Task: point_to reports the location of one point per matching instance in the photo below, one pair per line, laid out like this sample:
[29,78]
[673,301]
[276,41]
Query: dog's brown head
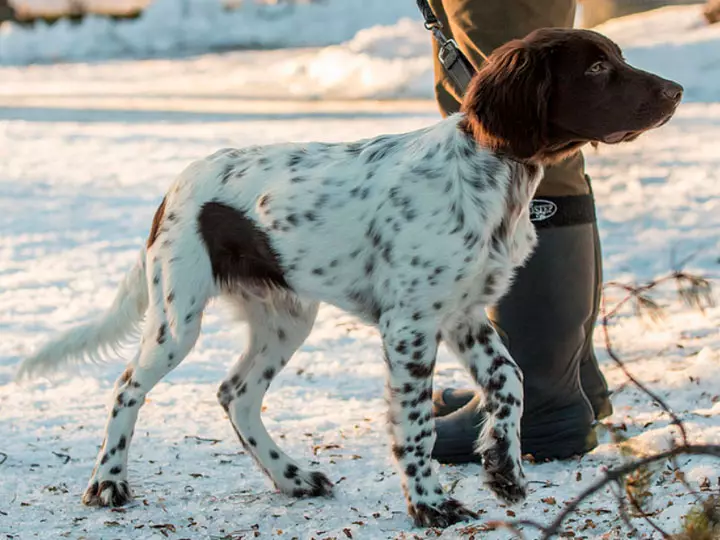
[543,97]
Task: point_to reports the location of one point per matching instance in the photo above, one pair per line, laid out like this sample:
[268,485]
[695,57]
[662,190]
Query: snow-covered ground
[381,62]
[82,169]
[190,26]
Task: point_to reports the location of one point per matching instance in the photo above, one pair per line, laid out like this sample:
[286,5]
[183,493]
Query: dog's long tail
[90,342]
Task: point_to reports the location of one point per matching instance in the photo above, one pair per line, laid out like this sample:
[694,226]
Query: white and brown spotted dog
[414,233]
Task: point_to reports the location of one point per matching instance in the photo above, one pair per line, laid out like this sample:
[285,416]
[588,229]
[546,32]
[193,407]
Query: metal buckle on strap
[456,65]
[448,53]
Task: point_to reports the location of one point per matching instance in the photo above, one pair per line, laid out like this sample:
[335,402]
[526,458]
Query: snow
[86,152]
[190,26]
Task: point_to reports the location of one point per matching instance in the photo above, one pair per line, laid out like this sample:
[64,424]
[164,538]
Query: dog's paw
[444,514]
[504,474]
[300,483]
[107,493]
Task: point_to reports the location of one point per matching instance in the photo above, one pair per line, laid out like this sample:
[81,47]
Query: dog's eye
[597,67]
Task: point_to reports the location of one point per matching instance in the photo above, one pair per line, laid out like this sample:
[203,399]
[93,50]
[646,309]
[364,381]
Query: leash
[455,63]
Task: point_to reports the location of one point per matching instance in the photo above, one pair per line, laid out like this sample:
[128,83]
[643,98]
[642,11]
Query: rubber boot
[546,320]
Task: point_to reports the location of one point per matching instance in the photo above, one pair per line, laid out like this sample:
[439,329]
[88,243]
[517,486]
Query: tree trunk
[712,11]
[6,11]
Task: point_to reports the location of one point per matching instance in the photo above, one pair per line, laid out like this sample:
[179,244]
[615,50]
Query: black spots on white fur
[296,158]
[318,271]
[366,303]
[470,240]
[496,383]
[373,234]
[483,335]
[264,201]
[252,441]
[122,443]
[298,179]
[224,394]
[402,202]
[162,334]
[460,221]
[291,471]
[387,252]
[274,454]
[117,469]
[361,193]
[489,287]
[321,201]
[104,459]
[398,451]
[420,370]
[269,373]
[425,171]
[170,297]
[354,148]
[370,265]
[227,174]
[379,148]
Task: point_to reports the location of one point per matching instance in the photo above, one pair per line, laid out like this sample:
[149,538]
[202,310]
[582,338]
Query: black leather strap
[427,13]
[562,211]
[455,63]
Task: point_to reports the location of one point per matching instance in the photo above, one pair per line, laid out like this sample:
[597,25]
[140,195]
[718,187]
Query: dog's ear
[506,103]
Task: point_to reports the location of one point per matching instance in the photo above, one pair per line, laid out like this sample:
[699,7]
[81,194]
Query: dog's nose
[673,92]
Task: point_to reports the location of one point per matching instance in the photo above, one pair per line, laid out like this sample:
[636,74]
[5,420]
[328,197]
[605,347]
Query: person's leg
[548,316]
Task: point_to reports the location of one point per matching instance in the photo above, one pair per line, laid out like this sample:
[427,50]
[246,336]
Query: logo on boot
[540,209]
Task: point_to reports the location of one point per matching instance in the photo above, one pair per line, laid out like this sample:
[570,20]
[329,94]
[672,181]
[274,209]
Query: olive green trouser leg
[549,315]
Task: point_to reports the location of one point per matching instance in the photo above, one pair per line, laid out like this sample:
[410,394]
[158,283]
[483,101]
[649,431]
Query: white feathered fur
[415,233]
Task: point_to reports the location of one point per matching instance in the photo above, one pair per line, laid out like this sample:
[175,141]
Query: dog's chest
[488,275]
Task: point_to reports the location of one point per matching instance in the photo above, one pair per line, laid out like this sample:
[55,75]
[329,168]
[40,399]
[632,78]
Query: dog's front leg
[410,349]
[477,344]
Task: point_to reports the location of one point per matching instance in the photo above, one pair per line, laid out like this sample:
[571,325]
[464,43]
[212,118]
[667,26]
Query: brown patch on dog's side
[157,219]
[239,252]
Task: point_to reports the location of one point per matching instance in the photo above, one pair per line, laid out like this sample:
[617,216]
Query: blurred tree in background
[712,11]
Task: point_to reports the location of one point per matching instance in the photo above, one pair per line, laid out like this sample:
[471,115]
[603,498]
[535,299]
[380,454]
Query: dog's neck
[549,154]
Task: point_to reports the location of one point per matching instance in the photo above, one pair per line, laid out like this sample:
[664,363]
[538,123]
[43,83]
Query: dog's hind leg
[178,291]
[477,344]
[278,325]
